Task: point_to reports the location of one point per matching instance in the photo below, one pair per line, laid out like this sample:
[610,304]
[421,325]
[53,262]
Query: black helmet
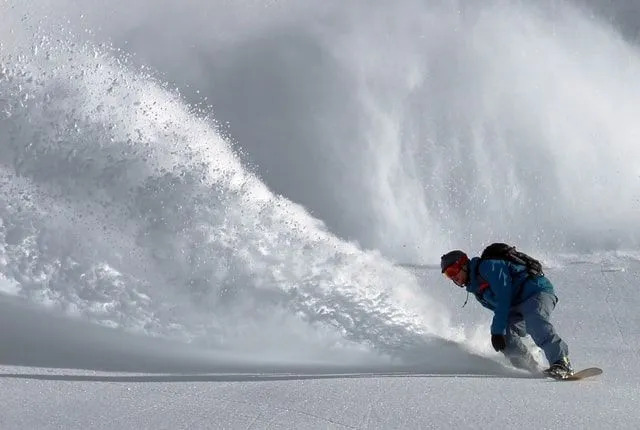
[450,258]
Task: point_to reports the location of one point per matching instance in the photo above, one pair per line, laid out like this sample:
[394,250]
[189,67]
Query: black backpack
[502,251]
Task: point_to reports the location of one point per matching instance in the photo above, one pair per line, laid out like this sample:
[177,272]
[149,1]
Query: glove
[498,341]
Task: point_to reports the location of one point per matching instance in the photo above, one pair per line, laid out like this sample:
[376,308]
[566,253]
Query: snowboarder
[521,302]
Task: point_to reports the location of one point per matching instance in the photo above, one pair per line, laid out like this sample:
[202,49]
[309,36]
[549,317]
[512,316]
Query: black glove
[498,341]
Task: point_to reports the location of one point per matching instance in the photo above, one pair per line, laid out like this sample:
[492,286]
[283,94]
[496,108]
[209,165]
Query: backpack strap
[483,284]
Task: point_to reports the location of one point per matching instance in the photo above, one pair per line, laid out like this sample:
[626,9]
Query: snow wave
[123,205]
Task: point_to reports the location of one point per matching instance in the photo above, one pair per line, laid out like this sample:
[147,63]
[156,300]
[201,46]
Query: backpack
[502,251]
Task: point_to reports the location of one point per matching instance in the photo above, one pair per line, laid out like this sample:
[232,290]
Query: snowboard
[582,374]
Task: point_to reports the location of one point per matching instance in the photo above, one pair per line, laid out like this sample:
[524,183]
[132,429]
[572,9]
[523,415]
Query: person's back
[492,271]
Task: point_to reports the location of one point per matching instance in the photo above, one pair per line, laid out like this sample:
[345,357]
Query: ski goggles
[453,270]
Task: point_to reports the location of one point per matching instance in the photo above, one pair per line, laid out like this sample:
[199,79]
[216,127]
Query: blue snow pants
[532,317]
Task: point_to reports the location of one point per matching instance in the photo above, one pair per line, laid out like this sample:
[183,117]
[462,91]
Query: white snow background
[230,214]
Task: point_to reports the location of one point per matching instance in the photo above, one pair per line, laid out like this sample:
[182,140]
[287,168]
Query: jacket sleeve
[499,279]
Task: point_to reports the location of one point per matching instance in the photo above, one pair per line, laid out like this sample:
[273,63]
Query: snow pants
[532,317]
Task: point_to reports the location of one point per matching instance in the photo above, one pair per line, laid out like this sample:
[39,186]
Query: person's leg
[536,312]
[516,351]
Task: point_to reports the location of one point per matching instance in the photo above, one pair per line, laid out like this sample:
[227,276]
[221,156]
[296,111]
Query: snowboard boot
[561,369]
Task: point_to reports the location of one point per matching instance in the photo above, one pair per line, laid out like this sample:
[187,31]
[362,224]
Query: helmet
[450,258]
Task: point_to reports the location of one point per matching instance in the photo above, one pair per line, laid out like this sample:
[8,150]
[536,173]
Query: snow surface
[153,385]
[229,214]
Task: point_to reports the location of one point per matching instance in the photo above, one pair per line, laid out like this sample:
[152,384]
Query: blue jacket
[502,285]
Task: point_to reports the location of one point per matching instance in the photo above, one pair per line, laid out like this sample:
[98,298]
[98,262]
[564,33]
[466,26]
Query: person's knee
[538,325]
[514,347]
[543,334]
[516,331]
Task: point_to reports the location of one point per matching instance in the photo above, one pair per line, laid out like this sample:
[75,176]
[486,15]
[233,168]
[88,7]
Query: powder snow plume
[123,205]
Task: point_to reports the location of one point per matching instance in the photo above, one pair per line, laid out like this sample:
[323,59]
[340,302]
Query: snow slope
[596,315]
